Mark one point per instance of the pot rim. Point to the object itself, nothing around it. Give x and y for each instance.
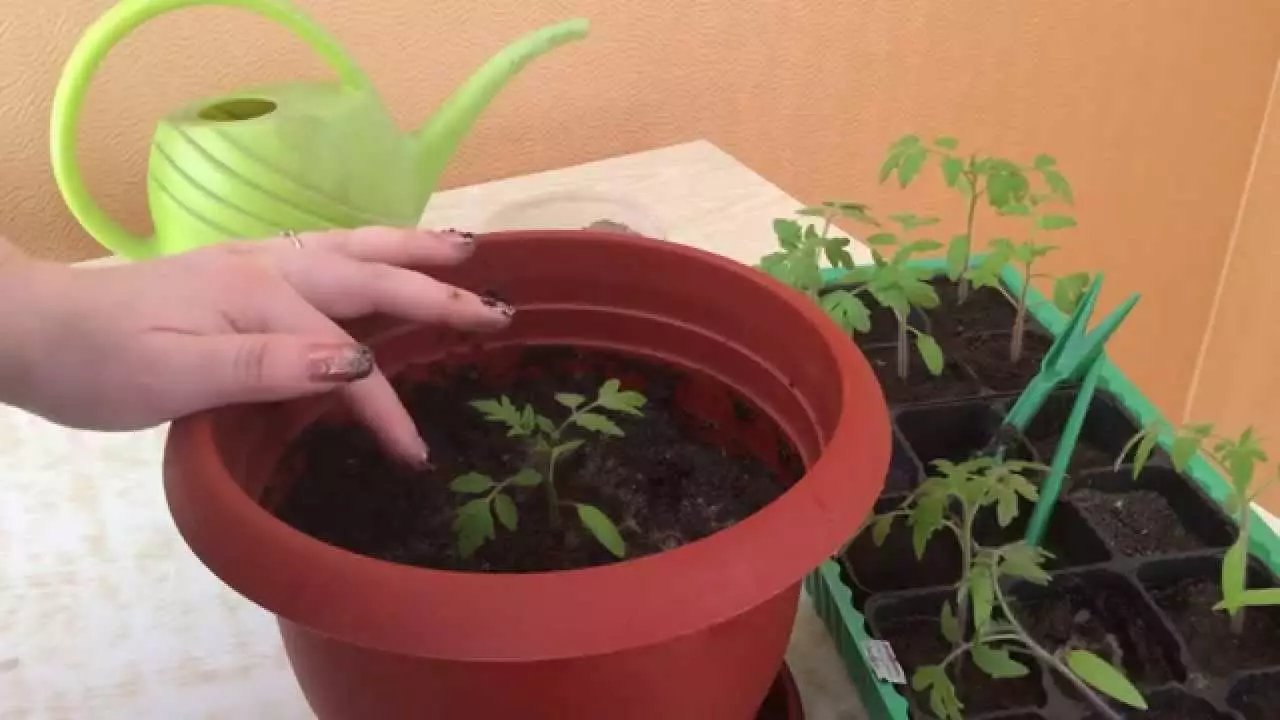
(548, 615)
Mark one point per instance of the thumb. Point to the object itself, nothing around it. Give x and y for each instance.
(251, 368)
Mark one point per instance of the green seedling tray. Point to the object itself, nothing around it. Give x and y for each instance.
(833, 600)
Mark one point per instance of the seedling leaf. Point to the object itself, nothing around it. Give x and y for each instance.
(946, 143)
(1056, 222)
(602, 528)
(1068, 291)
(880, 529)
(1261, 597)
(847, 310)
(1021, 560)
(474, 525)
(570, 400)
(566, 447)
(1142, 454)
(1043, 162)
(930, 353)
(613, 397)
(597, 423)
(1103, 677)
(926, 519)
(997, 662)
(951, 170)
(943, 701)
(788, 232)
(881, 239)
(1184, 448)
(528, 477)
(949, 623)
(505, 508)
(910, 166)
(981, 596)
(472, 482)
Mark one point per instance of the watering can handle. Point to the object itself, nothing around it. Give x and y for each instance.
(88, 54)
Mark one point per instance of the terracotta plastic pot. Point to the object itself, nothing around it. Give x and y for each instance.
(697, 633)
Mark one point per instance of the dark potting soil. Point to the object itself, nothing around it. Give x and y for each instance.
(1136, 523)
(917, 641)
(954, 382)
(666, 483)
(775, 705)
(985, 310)
(988, 357)
(1256, 697)
(1104, 614)
(1084, 456)
(1207, 632)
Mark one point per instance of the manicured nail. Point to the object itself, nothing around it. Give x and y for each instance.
(461, 237)
(494, 303)
(421, 458)
(341, 363)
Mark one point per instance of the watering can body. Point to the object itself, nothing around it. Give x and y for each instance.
(260, 161)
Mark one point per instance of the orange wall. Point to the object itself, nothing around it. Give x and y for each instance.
(1238, 381)
(1152, 107)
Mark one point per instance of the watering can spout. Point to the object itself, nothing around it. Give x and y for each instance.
(438, 139)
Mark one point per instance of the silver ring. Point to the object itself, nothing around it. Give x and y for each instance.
(293, 237)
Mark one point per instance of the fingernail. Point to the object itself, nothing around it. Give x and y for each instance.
(341, 363)
(461, 237)
(421, 458)
(494, 303)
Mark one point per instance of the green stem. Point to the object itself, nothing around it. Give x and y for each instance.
(962, 292)
(904, 350)
(553, 496)
(1020, 319)
(1237, 618)
(1050, 659)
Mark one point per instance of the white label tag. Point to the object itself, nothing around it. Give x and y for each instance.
(884, 662)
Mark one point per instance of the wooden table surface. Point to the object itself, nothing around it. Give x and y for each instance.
(105, 613)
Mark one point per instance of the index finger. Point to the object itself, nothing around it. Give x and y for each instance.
(404, 247)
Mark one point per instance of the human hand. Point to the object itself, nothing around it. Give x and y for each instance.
(130, 346)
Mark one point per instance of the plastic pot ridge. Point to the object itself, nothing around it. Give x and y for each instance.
(698, 632)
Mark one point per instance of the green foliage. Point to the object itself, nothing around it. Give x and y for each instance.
(1238, 460)
(1104, 677)
(980, 624)
(547, 445)
(1009, 189)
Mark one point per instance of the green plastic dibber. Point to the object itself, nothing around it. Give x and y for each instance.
(1075, 355)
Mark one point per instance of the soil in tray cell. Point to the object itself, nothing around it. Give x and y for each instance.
(955, 431)
(1171, 704)
(987, 356)
(1256, 696)
(1105, 613)
(775, 705)
(920, 386)
(985, 310)
(869, 568)
(904, 472)
(1160, 513)
(1103, 436)
(1068, 538)
(699, 459)
(1186, 589)
(910, 625)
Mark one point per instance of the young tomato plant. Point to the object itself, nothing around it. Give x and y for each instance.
(1001, 183)
(547, 444)
(900, 287)
(1238, 460)
(799, 261)
(1067, 289)
(982, 625)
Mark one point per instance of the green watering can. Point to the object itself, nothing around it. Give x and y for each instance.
(286, 157)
